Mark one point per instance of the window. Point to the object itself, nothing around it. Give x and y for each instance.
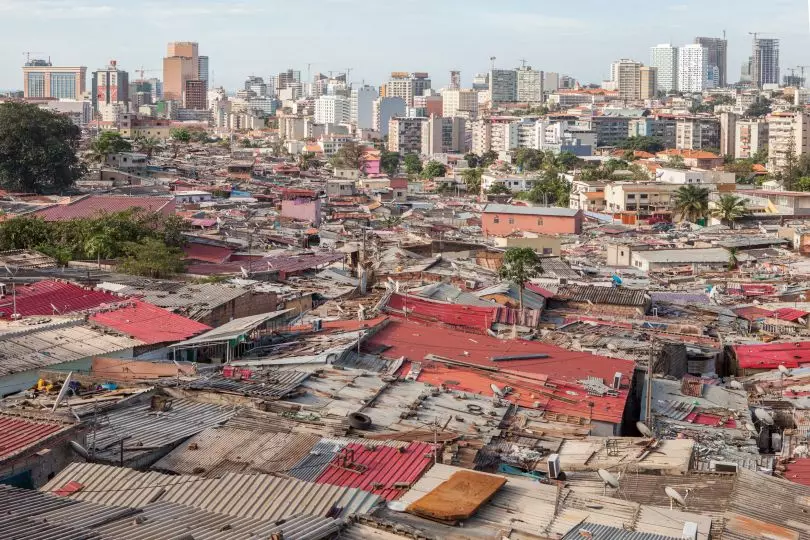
(643, 195)
(539, 221)
(511, 221)
(496, 219)
(547, 251)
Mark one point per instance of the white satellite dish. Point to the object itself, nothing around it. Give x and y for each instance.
(644, 429)
(784, 370)
(244, 272)
(498, 392)
(736, 385)
(676, 497)
(608, 478)
(764, 416)
(63, 392)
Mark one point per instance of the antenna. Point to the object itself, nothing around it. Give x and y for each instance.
(608, 479)
(62, 392)
(492, 59)
(523, 61)
(675, 497)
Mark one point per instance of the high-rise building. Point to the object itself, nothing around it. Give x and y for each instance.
(202, 71)
(443, 135)
(110, 85)
(361, 106)
(503, 86)
(41, 79)
(463, 103)
(195, 95)
(649, 82)
(694, 74)
(717, 57)
(551, 81)
(751, 136)
(400, 85)
(481, 81)
(405, 135)
(332, 110)
(728, 131)
(626, 76)
(455, 80)
(529, 85)
(181, 64)
(386, 108)
(765, 62)
(285, 79)
(746, 70)
(788, 133)
(421, 83)
(664, 58)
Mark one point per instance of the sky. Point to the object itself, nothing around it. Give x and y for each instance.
(375, 37)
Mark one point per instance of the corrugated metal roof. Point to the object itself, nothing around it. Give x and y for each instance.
(235, 328)
(53, 297)
(378, 470)
(21, 433)
(149, 324)
(153, 430)
(274, 384)
(772, 500)
(259, 496)
(35, 348)
(602, 295)
(596, 531)
(94, 205)
(314, 463)
(529, 210)
(216, 451)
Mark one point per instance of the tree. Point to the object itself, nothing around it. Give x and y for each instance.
(389, 162)
(729, 208)
(413, 165)
(179, 136)
(488, 158)
(107, 144)
(676, 162)
(652, 145)
(519, 266)
(152, 258)
(37, 149)
(528, 159)
(692, 202)
(760, 107)
(566, 160)
(350, 156)
(433, 169)
(742, 168)
(147, 145)
(306, 160)
(499, 189)
(550, 189)
(473, 161)
(472, 179)
(733, 260)
(802, 184)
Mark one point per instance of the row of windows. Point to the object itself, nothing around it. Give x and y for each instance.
(497, 219)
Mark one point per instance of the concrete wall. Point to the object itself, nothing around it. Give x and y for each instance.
(495, 224)
(250, 303)
(305, 210)
(55, 454)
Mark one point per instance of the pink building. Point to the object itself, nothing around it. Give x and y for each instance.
(505, 220)
(303, 210)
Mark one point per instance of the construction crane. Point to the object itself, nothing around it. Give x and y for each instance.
(801, 70)
(349, 75)
(143, 71)
(523, 61)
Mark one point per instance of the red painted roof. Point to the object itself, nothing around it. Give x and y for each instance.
(92, 205)
(20, 433)
(472, 318)
(207, 253)
(771, 355)
(384, 466)
(149, 323)
(798, 470)
(414, 341)
(753, 313)
(789, 314)
(706, 419)
(42, 297)
(545, 293)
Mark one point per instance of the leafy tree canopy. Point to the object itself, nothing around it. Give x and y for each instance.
(350, 156)
(107, 144)
(519, 266)
(642, 143)
(152, 258)
(413, 165)
(37, 149)
(433, 169)
(389, 162)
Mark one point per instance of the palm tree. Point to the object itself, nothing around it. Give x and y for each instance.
(472, 178)
(692, 202)
(729, 208)
(147, 145)
(733, 261)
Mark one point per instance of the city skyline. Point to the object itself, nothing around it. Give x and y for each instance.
(248, 37)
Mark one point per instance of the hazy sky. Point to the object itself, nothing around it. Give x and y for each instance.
(374, 37)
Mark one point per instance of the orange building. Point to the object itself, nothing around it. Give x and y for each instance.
(505, 220)
(182, 64)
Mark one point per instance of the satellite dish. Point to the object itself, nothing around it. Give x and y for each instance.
(676, 497)
(643, 429)
(736, 385)
(498, 392)
(764, 416)
(608, 479)
(783, 369)
(397, 506)
(63, 392)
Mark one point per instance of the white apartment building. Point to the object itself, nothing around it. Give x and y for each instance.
(529, 85)
(626, 76)
(291, 128)
(384, 109)
(401, 85)
(460, 103)
(787, 132)
(647, 197)
(693, 69)
(683, 177)
(405, 135)
(361, 105)
(515, 184)
(332, 110)
(480, 136)
(443, 135)
(664, 58)
(750, 136)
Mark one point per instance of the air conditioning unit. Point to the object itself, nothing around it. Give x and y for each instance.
(470, 284)
(317, 325)
(617, 380)
(722, 466)
(554, 466)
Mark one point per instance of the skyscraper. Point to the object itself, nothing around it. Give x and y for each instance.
(529, 85)
(41, 79)
(665, 59)
(203, 70)
(455, 80)
(693, 69)
(110, 85)
(765, 62)
(503, 86)
(332, 110)
(717, 57)
(626, 75)
(181, 64)
(361, 106)
(649, 82)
